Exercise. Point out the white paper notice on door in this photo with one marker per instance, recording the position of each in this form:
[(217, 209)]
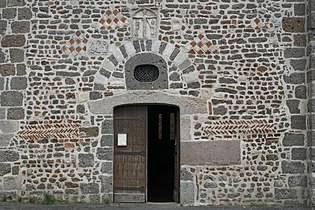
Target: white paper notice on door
[(122, 139)]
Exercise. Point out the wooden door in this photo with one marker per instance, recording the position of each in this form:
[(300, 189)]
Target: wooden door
[(130, 159)]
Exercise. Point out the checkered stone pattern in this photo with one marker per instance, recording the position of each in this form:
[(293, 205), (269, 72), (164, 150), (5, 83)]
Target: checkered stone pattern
[(76, 46), (201, 45), (113, 19)]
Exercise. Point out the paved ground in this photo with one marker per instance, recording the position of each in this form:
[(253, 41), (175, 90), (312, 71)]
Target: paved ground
[(21, 206)]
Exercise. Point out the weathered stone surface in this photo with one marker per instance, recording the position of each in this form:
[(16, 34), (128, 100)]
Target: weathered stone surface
[(185, 175), (294, 52), (89, 188), (14, 3), (2, 83), (285, 193), (7, 70), (107, 140), (293, 24), (211, 153), (297, 181), (2, 113), (298, 122), (8, 156), (9, 13), (293, 167), (86, 160), (24, 13), (300, 92), (220, 110), (187, 190), (3, 26), (298, 64), (11, 98), (12, 183), (106, 184), (107, 168), (16, 55), (107, 127), (104, 154), (13, 41), (19, 27), (18, 83), (8, 126), (292, 139), (20, 69), (293, 106), (3, 4), (17, 113), (5, 139), (89, 131), (5, 168), (298, 154), (295, 78)]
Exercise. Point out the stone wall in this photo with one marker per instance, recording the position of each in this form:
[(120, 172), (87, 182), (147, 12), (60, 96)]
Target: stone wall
[(241, 64)]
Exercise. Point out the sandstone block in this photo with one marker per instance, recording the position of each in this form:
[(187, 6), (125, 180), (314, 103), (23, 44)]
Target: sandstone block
[(293, 24)]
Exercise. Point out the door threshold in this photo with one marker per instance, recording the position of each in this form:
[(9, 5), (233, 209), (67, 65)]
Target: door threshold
[(149, 205)]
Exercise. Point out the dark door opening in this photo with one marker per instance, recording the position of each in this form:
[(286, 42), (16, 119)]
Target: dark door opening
[(146, 153), (162, 132)]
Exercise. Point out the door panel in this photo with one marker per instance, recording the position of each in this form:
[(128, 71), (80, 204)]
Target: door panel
[(176, 159), (130, 160)]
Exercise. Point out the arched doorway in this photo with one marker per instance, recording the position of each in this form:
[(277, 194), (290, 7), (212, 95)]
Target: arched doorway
[(146, 153)]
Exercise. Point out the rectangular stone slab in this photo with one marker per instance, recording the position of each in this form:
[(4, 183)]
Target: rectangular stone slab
[(211, 153)]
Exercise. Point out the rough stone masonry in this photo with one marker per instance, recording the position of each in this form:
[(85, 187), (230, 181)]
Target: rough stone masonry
[(241, 71)]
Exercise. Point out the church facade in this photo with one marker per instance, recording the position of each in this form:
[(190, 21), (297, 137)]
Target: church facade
[(199, 102)]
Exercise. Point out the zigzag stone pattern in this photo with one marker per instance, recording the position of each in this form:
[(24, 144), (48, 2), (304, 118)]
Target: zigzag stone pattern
[(228, 127), (47, 131)]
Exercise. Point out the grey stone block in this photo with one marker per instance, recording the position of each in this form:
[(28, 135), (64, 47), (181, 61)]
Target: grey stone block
[(5, 140), (81, 109), (13, 41), (107, 127), (285, 193), (3, 3), (299, 9), (185, 175), (5, 168), (7, 70), (17, 113), (187, 193), (298, 64), (293, 167), (298, 154), (12, 183), (298, 122), (20, 69), (13, 3), (106, 184), (11, 98), (2, 83), (300, 92), (20, 27), (86, 160), (2, 113), (294, 52), (293, 139), (7, 126), (295, 78), (88, 131), (220, 110), (107, 168), (104, 154), (24, 14), (9, 156), (95, 95), (18, 83), (3, 26), (107, 140), (293, 106), (9, 13), (89, 188), (297, 181), (16, 55)]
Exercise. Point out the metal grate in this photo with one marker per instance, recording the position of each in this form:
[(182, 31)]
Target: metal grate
[(146, 73)]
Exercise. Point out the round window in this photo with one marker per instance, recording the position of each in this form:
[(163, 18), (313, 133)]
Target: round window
[(146, 73)]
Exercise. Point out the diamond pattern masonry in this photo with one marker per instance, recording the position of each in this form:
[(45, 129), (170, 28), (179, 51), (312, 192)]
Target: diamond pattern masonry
[(113, 19), (76, 46)]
